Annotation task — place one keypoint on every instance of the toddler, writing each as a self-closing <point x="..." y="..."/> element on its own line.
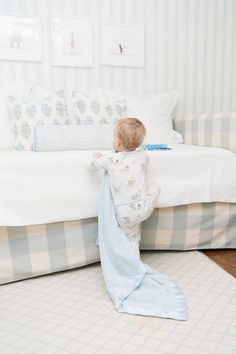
<point x="133" y="200"/>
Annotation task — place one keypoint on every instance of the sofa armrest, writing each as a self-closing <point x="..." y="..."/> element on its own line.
<point x="217" y="130"/>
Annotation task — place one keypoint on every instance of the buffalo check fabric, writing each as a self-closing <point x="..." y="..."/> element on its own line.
<point x="28" y="251"/>
<point x="217" y="130"/>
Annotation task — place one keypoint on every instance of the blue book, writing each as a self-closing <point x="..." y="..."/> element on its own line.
<point x="156" y="147"/>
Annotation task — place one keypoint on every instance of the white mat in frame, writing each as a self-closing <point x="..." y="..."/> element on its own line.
<point x="71" y="312"/>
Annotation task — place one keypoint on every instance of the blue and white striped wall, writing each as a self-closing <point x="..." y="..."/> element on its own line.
<point x="190" y="45"/>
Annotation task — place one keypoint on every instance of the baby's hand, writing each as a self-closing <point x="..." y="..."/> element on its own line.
<point x="97" y="154"/>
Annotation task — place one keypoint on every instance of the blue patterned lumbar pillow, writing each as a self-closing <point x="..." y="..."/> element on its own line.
<point x="72" y="137"/>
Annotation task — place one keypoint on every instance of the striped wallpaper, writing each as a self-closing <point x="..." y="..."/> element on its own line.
<point x="190" y="45"/>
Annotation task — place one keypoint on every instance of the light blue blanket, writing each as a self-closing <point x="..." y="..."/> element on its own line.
<point x="134" y="287"/>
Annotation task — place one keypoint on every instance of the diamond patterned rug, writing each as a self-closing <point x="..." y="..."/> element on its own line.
<point x="71" y="312"/>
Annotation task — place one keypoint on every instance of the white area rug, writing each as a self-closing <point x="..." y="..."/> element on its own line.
<point x="71" y="312"/>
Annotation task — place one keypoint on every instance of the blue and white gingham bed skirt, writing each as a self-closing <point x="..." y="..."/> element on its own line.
<point x="29" y="251"/>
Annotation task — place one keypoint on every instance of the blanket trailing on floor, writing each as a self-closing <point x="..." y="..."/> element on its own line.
<point x="134" y="287"/>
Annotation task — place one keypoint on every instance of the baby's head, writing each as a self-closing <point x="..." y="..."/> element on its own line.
<point x="128" y="134"/>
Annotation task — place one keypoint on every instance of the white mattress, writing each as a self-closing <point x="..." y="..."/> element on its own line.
<point x="47" y="187"/>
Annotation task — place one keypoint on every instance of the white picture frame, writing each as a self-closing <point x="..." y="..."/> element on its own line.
<point x="122" y="45"/>
<point x="72" y="42"/>
<point x="20" y="38"/>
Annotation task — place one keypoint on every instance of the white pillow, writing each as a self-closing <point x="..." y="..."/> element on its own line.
<point x="73" y="137"/>
<point x="5" y="134"/>
<point x="155" y="112"/>
<point x="5" y="140"/>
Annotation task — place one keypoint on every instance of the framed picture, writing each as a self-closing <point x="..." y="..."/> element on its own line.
<point x="20" y="38"/>
<point x="122" y="45"/>
<point x="72" y="42"/>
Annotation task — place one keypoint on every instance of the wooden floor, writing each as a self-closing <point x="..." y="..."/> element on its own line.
<point x="224" y="258"/>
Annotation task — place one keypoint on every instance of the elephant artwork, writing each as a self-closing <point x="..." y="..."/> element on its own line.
<point x="16" y="41"/>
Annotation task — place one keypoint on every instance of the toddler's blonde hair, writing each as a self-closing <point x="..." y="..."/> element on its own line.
<point x="131" y="132"/>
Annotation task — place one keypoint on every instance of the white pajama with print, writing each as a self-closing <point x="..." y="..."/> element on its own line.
<point x="133" y="200"/>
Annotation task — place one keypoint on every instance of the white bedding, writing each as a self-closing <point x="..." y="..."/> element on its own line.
<point x="46" y="187"/>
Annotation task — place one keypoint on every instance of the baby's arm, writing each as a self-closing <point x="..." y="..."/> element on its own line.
<point x="99" y="161"/>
